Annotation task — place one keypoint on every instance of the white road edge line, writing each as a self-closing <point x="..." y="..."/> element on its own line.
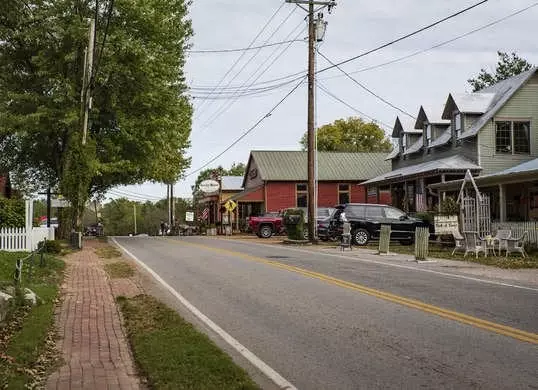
<point x="253" y="359"/>
<point x="456" y="276"/>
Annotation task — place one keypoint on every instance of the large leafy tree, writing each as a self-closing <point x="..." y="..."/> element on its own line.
<point x="508" y="65"/>
<point x="350" y="135"/>
<point x="141" y="117"/>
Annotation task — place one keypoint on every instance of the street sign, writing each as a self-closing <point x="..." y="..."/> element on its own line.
<point x="59" y="203"/>
<point x="209" y="186"/>
<point x="230" y="205"/>
<point x="189" y="216"/>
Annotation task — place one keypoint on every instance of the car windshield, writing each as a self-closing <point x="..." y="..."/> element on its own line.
<point x="393" y="213"/>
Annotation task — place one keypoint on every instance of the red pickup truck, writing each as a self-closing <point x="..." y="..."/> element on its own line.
<point x="266" y="225"/>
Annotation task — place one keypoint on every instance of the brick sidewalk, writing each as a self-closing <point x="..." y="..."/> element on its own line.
<point x="92" y="340"/>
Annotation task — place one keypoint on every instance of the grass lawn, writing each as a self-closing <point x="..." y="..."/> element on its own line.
<point x="172" y="354"/>
<point x="444" y="252"/>
<point x="108" y="252"/>
<point x="119" y="269"/>
<point x="23" y="337"/>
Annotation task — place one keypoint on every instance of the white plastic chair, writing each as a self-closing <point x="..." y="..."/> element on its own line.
<point x="474" y="244"/>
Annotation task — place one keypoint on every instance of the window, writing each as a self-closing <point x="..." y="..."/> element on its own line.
<point x="512" y="137"/>
<point x="392" y="213"/>
<point x="355" y="211"/>
<point x="374" y="212"/>
<point x="404" y="142"/>
<point x="458" y="127"/>
<point x="521" y="137"/>
<point x="428" y="135"/>
<point x="302" y="195"/>
<point x="503" y="137"/>
<point x="343" y="193"/>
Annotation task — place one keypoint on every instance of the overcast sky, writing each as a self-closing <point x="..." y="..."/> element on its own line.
<point x="354" y="26"/>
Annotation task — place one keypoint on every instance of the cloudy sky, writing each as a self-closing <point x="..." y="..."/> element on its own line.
<point x="354" y="26"/>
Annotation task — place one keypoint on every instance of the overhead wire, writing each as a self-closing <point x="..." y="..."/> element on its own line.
<point x="228" y="105"/>
<point x="248" y="131"/>
<point x="244" y="53"/>
<point x="217" y="51"/>
<point x="275" y="31"/>
<point x="403" y="37"/>
<point x="361" y="85"/>
<point x="325" y="90"/>
<point x="456" y="38"/>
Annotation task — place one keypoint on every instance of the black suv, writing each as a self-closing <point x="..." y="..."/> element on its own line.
<point x="366" y="221"/>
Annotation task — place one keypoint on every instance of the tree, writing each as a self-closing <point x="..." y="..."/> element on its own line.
<point x="508" y="65"/>
<point x="141" y="117"/>
<point x="350" y="135"/>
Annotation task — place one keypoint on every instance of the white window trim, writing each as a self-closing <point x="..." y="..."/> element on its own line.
<point x="512" y="148"/>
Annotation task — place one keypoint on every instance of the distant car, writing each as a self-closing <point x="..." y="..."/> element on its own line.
<point x="366" y="221"/>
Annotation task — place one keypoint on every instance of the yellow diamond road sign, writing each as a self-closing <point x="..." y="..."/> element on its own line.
<point x="230" y="205"/>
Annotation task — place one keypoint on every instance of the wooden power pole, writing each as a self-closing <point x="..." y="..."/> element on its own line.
<point x="311" y="131"/>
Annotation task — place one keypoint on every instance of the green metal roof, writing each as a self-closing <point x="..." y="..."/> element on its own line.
<point x="292" y="165"/>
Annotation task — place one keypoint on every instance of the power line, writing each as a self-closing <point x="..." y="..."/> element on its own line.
<point x="216" y="51"/>
<point x="244" y="52"/>
<point x="226" y="107"/>
<point x="269" y="113"/>
<point x="330" y="94"/>
<point x="365" y="87"/>
<point x="399" y="59"/>
<point x="403" y="37"/>
<point x="276" y="30"/>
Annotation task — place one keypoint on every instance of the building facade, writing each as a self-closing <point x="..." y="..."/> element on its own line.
<point x="278" y="179"/>
<point x="484" y="132"/>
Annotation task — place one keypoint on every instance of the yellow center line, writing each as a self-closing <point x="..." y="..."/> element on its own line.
<point x="412" y="303"/>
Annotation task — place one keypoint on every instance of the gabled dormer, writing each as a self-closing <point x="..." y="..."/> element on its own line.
<point x="432" y="125"/>
<point x="406" y="134"/>
<point x="463" y="107"/>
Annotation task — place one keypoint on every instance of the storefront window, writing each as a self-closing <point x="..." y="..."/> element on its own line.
<point x="343" y="193"/>
<point x="302" y="195"/>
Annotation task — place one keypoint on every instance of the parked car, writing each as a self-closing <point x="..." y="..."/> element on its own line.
<point x="266" y="225"/>
<point x="324" y="220"/>
<point x="272" y="223"/>
<point x="366" y="221"/>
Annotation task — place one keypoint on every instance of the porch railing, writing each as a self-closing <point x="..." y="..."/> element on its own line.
<point x="517" y="228"/>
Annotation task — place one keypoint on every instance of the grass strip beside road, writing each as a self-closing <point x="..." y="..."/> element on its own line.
<point x="26" y="344"/>
<point x="119" y="269"/>
<point x="172" y="354"/>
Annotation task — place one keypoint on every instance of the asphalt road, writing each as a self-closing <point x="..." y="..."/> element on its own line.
<point x="336" y="323"/>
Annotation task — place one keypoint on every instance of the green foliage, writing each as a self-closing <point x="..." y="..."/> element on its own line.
<point x="350" y="135"/>
<point x="51" y="246"/>
<point x="12" y="213"/>
<point x="294" y="222"/>
<point x="508" y="65"/>
<point x="118" y="216"/>
<point x="449" y="206"/>
<point x="172" y="354"/>
<point x="426" y="216"/>
<point x="141" y="117"/>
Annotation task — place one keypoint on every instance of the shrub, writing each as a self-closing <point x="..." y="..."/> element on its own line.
<point x="294" y="222"/>
<point x="449" y="206"/>
<point x="426" y="216"/>
<point x="51" y="246"/>
<point x="11" y="213"/>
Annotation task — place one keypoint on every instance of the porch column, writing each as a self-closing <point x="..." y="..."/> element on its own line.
<point x="502" y="202"/>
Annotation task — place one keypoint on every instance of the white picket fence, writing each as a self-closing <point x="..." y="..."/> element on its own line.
<point x="518" y="228"/>
<point x="18" y="240"/>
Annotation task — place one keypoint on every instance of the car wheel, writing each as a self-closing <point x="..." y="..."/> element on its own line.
<point x="361" y="237"/>
<point x="266" y="231"/>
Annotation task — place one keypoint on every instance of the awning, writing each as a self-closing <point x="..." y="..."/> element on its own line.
<point x="254" y="194"/>
<point x="453" y="164"/>
<point x="528" y="171"/>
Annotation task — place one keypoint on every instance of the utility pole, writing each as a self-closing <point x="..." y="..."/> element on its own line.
<point x="134" y="214"/>
<point x="313" y="37"/>
<point x="86" y="79"/>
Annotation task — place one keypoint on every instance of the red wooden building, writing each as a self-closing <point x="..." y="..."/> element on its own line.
<point x="276" y="180"/>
